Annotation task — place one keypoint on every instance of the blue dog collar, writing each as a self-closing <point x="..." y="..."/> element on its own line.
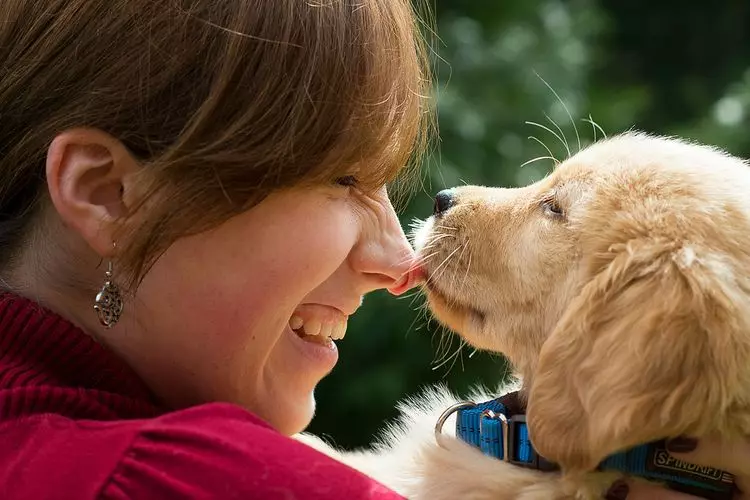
<point x="498" y="431"/>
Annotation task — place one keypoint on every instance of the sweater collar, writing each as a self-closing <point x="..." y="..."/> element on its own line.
<point x="41" y="348"/>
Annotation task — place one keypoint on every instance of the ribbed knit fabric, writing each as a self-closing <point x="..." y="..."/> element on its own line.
<point x="77" y="423"/>
<point x="46" y="363"/>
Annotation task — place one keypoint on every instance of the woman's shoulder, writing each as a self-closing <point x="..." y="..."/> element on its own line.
<point x="214" y="450"/>
<point x="221" y="450"/>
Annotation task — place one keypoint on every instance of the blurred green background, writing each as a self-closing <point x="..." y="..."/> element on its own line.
<point x="667" y="67"/>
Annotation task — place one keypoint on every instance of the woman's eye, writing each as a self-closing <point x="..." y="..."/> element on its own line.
<point x="347" y="181"/>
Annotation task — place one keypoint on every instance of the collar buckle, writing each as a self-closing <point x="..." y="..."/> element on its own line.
<point x="504" y="424"/>
<point x="447" y="413"/>
<point x="516" y="427"/>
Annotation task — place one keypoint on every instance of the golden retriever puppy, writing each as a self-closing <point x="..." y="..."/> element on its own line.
<point x="618" y="287"/>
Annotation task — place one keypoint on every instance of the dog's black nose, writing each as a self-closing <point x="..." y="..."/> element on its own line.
<point x="443" y="201"/>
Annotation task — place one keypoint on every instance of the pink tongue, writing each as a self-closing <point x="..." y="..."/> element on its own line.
<point x="408" y="281"/>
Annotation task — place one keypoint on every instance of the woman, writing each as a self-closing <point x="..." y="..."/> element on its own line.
<point x="192" y="203"/>
<point x="227" y="162"/>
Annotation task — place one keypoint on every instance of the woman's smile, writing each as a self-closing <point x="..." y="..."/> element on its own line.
<point x="317" y="326"/>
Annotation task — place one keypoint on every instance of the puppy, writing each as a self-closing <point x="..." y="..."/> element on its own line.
<point x="618" y="287"/>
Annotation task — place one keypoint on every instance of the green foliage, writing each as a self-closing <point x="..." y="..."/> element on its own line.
<point x="665" y="67"/>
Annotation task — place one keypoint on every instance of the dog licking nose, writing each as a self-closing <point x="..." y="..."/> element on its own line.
<point x="443" y="201"/>
<point x="616" y="286"/>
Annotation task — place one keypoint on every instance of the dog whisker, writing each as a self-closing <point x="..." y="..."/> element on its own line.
<point x="440" y="237"/>
<point x="404" y="261"/>
<point x="532" y="137"/>
<point x="595" y="126"/>
<point x="466" y="275"/>
<point x="453" y="356"/>
<point x="433" y="238"/>
<point x="443" y="348"/>
<point x="430" y="245"/>
<point x="423" y="258"/>
<point x="416" y="317"/>
<point x="593" y="130"/>
<point x="538" y="158"/>
<point x="445" y="345"/>
<point x="409" y="295"/>
<point x="420" y="261"/>
<point x="562" y="134"/>
<point x="416" y="295"/>
<point x="445" y="261"/>
<point x="544" y="127"/>
<point x="454" y="281"/>
<point x="457" y="356"/>
<point x="416" y="223"/>
<point x="578" y="137"/>
<point x="441" y="352"/>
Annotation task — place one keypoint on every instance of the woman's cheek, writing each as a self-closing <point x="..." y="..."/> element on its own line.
<point x="337" y="231"/>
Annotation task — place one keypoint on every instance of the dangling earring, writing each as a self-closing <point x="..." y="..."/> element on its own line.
<point x="108" y="302"/>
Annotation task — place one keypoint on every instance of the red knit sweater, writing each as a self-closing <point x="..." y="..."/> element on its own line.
<point x="77" y="423"/>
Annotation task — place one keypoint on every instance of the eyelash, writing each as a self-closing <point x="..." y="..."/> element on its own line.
<point x="552" y="207"/>
<point x="347" y="181"/>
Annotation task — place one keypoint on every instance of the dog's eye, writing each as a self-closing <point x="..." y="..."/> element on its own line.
<point x="552" y="208"/>
<point x="347" y="181"/>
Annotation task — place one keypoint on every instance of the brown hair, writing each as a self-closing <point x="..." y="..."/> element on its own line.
<point x="222" y="101"/>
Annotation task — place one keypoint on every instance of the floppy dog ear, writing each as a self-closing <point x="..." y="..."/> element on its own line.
<point x="654" y="346"/>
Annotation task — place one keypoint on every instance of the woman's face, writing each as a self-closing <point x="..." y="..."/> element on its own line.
<point x="215" y="318"/>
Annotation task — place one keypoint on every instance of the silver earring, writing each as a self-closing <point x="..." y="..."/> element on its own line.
<point x="108" y="302"/>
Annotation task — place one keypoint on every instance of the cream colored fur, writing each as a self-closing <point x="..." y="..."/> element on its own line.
<point x="619" y="289"/>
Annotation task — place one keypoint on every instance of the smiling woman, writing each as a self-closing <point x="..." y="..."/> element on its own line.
<point x="192" y="204"/>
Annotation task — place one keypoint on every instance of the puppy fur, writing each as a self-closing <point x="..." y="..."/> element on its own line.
<point x="618" y="287"/>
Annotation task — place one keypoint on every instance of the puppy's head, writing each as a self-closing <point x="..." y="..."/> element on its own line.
<point x="618" y="286"/>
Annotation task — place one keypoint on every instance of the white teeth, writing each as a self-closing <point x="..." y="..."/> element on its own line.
<point x="312" y="327"/>
<point x="339" y="331"/>
<point x="296" y="323"/>
<point x="336" y="331"/>
<point x="325" y="330"/>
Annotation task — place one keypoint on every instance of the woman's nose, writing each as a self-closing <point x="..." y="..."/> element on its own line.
<point x="384" y="256"/>
<point x="386" y="259"/>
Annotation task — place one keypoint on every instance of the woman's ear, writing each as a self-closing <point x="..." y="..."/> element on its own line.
<point x="651" y="348"/>
<point x="88" y="173"/>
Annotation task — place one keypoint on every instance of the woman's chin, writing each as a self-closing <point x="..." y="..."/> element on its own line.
<point x="297" y="419"/>
<point x="287" y="407"/>
<point x="285" y="416"/>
